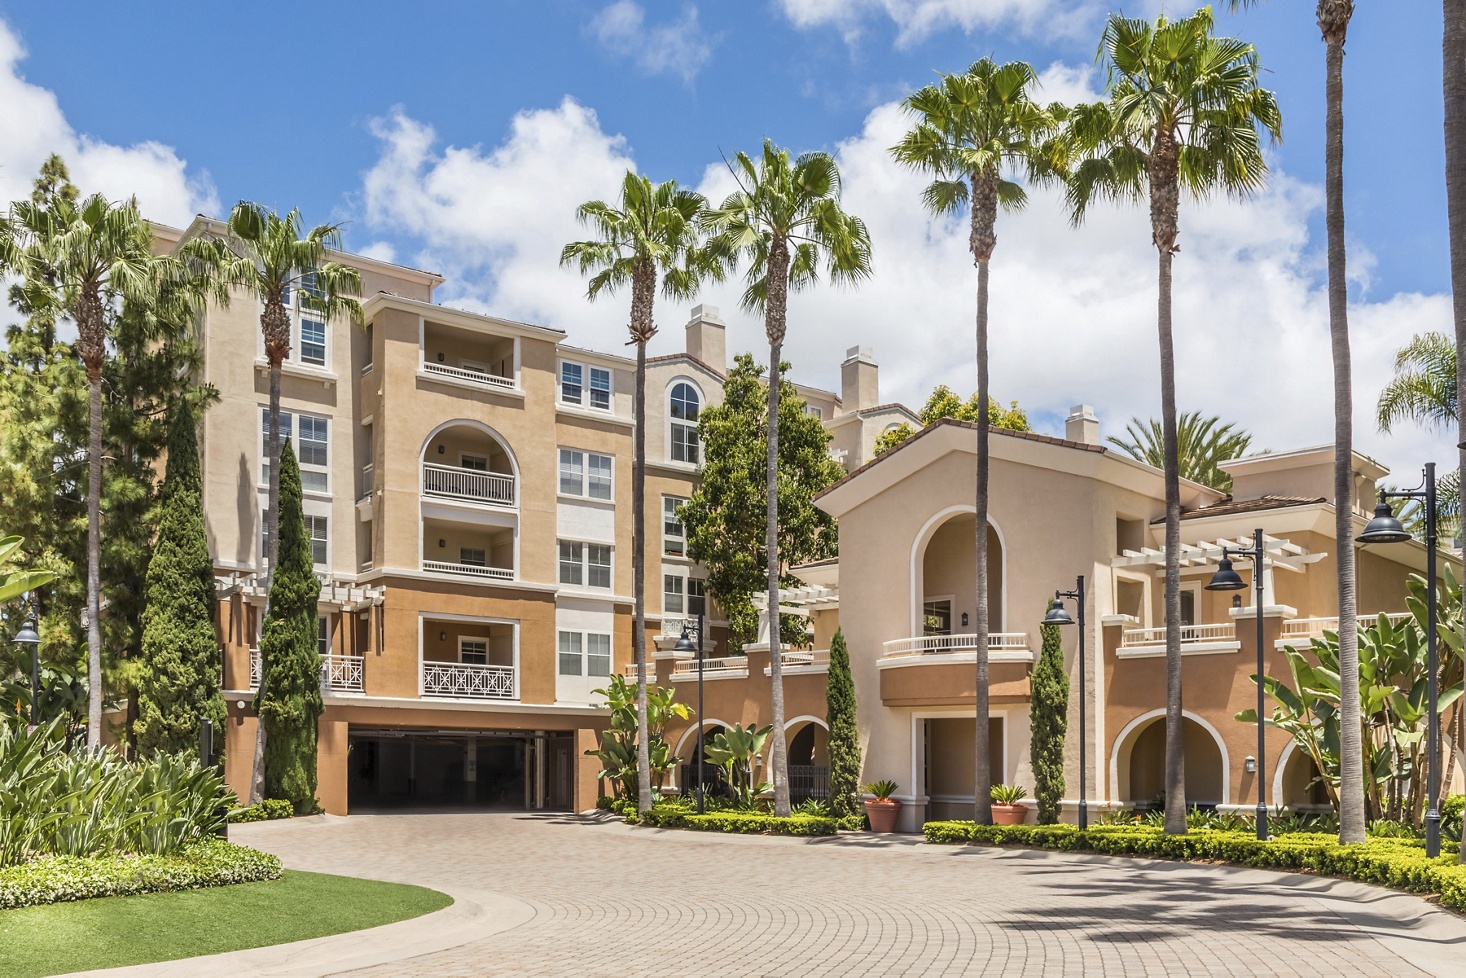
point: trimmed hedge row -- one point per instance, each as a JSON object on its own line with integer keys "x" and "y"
{"x": 744, "y": 823}
{"x": 1398, "y": 863}
{"x": 269, "y": 809}
{"x": 59, "y": 879}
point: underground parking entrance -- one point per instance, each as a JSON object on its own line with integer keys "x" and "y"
{"x": 459, "y": 770}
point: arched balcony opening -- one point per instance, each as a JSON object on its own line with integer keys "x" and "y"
{"x": 1138, "y": 763}
{"x": 466, "y": 462}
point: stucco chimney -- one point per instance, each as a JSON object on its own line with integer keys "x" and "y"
{"x": 859, "y": 385}
{"x": 707, "y": 337}
{"x": 1082, "y": 425}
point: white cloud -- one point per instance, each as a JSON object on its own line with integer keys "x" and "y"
{"x": 1072, "y": 314}
{"x": 680, "y": 47}
{"x": 379, "y": 250}
{"x": 915, "y": 20}
{"x": 33, "y": 126}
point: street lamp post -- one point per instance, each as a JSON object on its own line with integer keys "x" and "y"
{"x": 1385, "y": 528}
{"x": 29, "y": 636}
{"x": 1059, "y": 616}
{"x": 1227, "y": 579}
{"x": 685, "y": 644}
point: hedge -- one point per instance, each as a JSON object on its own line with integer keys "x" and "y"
{"x": 1398, "y": 863}
{"x": 269, "y": 809}
{"x": 58, "y": 879}
{"x": 744, "y": 823}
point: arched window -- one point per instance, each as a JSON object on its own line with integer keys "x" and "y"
{"x": 685, "y": 405}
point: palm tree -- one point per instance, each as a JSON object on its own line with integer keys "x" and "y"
{"x": 970, "y": 128}
{"x": 785, "y": 219}
{"x": 652, "y": 230}
{"x": 1424, "y": 386}
{"x": 80, "y": 258}
{"x": 266, "y": 255}
{"x": 1333, "y": 22}
{"x": 1201, "y": 443}
{"x": 1183, "y": 112}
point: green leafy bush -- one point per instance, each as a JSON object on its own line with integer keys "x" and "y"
{"x": 682, "y": 816}
{"x": 270, "y": 808}
{"x": 205, "y": 862}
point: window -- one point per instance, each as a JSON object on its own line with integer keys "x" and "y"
{"x": 571, "y": 386}
{"x": 585, "y": 474}
{"x": 684, "y": 411}
{"x": 475, "y": 462}
{"x": 472, "y": 557}
{"x": 307, "y": 326}
{"x": 312, "y": 342}
{"x": 587, "y": 564}
{"x": 697, "y": 600}
{"x": 473, "y": 651}
{"x": 936, "y": 617}
{"x": 315, "y": 529}
{"x": 571, "y": 571}
{"x": 814, "y": 412}
{"x": 584, "y": 654}
{"x": 674, "y": 541}
{"x": 311, "y": 439}
{"x": 673, "y": 594}
{"x": 600, "y": 388}
{"x": 323, "y": 635}
{"x": 1188, "y": 606}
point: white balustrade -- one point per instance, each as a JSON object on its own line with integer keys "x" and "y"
{"x": 1190, "y": 635}
{"x": 465, "y": 680}
{"x": 480, "y": 377}
{"x": 366, "y": 481}
{"x": 1315, "y": 627}
{"x": 805, "y": 658}
{"x": 452, "y": 482}
{"x": 948, "y": 644}
{"x": 727, "y": 667}
{"x": 470, "y": 570}
{"x": 339, "y": 673}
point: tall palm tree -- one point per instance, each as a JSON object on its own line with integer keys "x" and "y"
{"x": 652, "y": 230}
{"x": 1201, "y": 444}
{"x": 266, "y": 255}
{"x": 1183, "y": 112}
{"x": 970, "y": 128}
{"x": 81, "y": 258}
{"x": 785, "y": 220}
{"x": 1333, "y": 22}
{"x": 1453, "y": 84}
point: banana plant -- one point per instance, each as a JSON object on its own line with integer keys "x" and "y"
{"x": 734, "y": 751}
{"x": 617, "y": 752}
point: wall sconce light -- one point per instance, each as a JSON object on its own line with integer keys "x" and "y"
{"x": 442, "y": 542}
{"x": 964, "y": 619}
{"x": 442, "y": 636}
{"x": 442, "y": 449}
{"x": 440, "y": 358}
{"x": 1250, "y": 765}
{"x": 1236, "y": 600}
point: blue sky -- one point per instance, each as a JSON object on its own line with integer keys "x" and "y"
{"x": 406, "y": 122}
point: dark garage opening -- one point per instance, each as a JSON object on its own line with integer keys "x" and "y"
{"x": 481, "y": 770}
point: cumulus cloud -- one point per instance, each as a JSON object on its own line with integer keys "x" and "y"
{"x": 915, "y": 20}
{"x": 1072, "y": 310}
{"x": 678, "y": 47}
{"x": 33, "y": 126}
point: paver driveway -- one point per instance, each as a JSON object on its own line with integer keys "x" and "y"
{"x": 600, "y": 898}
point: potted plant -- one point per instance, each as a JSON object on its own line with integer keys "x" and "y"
{"x": 1008, "y": 807}
{"x": 880, "y": 807}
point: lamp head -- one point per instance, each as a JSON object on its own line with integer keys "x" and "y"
{"x": 1225, "y": 579}
{"x": 1384, "y": 527}
{"x": 28, "y": 634}
{"x": 684, "y": 641}
{"x": 1058, "y": 614}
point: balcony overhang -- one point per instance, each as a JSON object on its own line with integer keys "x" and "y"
{"x": 464, "y": 511}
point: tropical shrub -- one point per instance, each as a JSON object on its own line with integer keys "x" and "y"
{"x": 1008, "y": 794}
{"x": 682, "y": 816}
{"x": 734, "y": 751}
{"x": 881, "y": 789}
{"x": 617, "y": 752}
{"x": 267, "y": 810}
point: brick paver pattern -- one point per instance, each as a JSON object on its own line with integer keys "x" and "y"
{"x": 616, "y": 901}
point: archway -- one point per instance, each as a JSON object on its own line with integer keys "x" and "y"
{"x": 687, "y": 750}
{"x": 943, "y": 572}
{"x": 1297, "y": 783}
{"x": 808, "y": 741}
{"x": 1138, "y": 761}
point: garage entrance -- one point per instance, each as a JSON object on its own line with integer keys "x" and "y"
{"x": 475, "y": 770}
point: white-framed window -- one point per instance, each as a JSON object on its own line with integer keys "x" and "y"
{"x": 473, "y": 651}
{"x": 584, "y": 385}
{"x": 674, "y": 540}
{"x": 814, "y": 412}
{"x": 317, "y": 529}
{"x": 586, "y": 474}
{"x": 584, "y": 654}
{"x": 475, "y": 462}
{"x": 697, "y": 596}
{"x": 309, "y": 331}
{"x": 323, "y": 635}
{"x": 585, "y": 564}
{"x": 683, "y": 594}
{"x": 1190, "y": 604}
{"x": 311, "y": 439}
{"x": 684, "y": 408}
{"x": 936, "y": 616}
{"x": 473, "y": 557}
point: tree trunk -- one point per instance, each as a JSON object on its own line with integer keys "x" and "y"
{"x": 1164, "y": 210}
{"x": 643, "y": 294}
{"x": 774, "y": 325}
{"x": 272, "y": 536}
{"x": 982, "y": 240}
{"x": 1333, "y": 19}
{"x": 94, "y": 557}
{"x": 1453, "y": 77}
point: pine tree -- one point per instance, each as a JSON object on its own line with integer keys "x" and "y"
{"x": 1048, "y": 720}
{"x": 179, "y": 681}
{"x": 290, "y": 702}
{"x": 844, "y": 734}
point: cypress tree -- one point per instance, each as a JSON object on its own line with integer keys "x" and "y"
{"x": 844, "y": 736}
{"x": 179, "y": 683}
{"x": 1048, "y": 720}
{"x": 290, "y": 700}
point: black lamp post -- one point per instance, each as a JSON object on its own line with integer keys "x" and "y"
{"x": 1227, "y": 579}
{"x": 1059, "y": 616}
{"x": 29, "y": 636}
{"x": 1385, "y": 528}
{"x": 685, "y": 644}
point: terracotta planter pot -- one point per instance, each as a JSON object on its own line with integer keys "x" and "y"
{"x": 1009, "y": 814}
{"x": 883, "y": 813}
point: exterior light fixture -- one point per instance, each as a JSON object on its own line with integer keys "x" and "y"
{"x": 685, "y": 644}
{"x": 1384, "y": 527}
{"x": 1059, "y": 615}
{"x": 1227, "y": 579}
{"x": 1250, "y": 764}
{"x": 964, "y": 619}
{"x": 442, "y": 449}
{"x": 28, "y": 636}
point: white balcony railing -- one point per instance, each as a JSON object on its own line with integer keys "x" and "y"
{"x": 727, "y": 667}
{"x": 948, "y": 644}
{"x": 480, "y": 377}
{"x": 469, "y": 570}
{"x": 339, "y": 673}
{"x": 366, "y": 481}
{"x": 451, "y": 482}
{"x": 1190, "y": 635}
{"x": 1301, "y": 628}
{"x": 463, "y": 680}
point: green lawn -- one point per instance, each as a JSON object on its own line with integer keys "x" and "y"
{"x": 61, "y": 937}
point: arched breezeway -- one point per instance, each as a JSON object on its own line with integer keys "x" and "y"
{"x": 1138, "y": 761}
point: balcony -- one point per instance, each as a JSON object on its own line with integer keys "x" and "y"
{"x": 464, "y": 680}
{"x": 469, "y": 570}
{"x": 1002, "y": 647}
{"x": 727, "y": 667}
{"x": 796, "y": 662}
{"x": 339, "y": 673}
{"x": 938, "y": 670}
{"x": 1302, "y": 629}
{"x": 1139, "y": 643}
{"x": 467, "y": 550}
{"x": 469, "y": 485}
{"x": 469, "y": 375}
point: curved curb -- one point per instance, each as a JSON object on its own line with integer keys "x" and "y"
{"x": 473, "y": 915}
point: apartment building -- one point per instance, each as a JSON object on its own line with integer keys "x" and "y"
{"x": 467, "y": 484}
